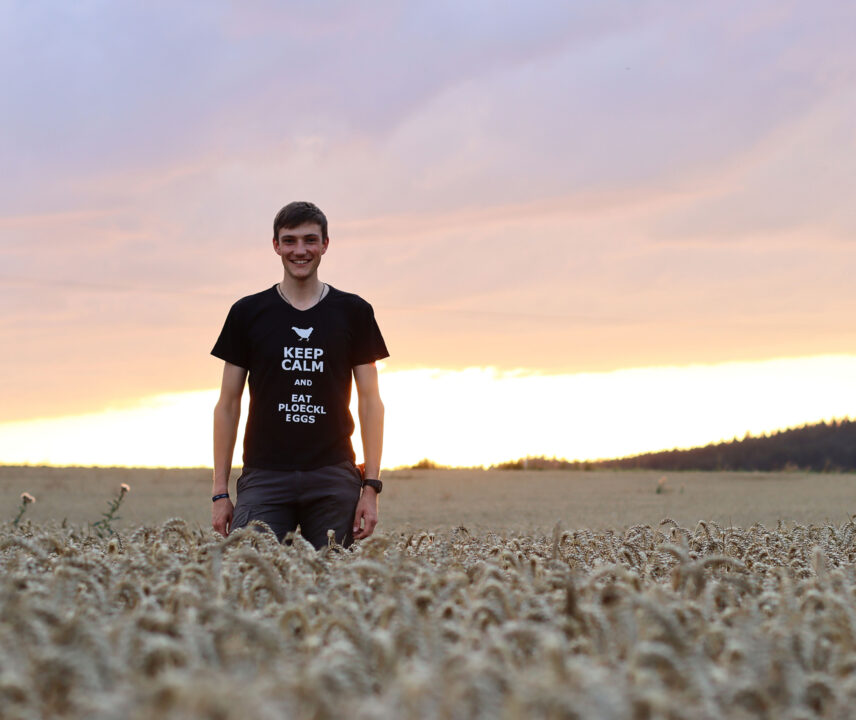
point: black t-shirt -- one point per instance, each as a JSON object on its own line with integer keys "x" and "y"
{"x": 299, "y": 364}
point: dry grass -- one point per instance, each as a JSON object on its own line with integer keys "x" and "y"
{"x": 441, "y": 500}
{"x": 653, "y": 622}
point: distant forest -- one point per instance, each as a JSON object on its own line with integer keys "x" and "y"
{"x": 823, "y": 447}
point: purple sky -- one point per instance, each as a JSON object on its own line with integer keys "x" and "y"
{"x": 553, "y": 186}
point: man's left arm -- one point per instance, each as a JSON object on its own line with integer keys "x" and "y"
{"x": 370, "y": 409}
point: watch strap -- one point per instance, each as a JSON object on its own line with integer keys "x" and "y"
{"x": 377, "y": 485}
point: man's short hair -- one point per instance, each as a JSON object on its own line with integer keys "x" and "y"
{"x": 297, "y": 213}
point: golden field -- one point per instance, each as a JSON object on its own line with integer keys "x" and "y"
{"x": 476, "y": 499}
{"x": 510, "y": 595}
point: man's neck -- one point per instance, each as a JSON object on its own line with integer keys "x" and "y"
{"x": 302, "y": 294}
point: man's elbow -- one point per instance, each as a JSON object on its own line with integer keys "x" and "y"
{"x": 372, "y": 405}
{"x": 227, "y": 408}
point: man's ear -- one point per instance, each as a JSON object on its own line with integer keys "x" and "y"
{"x": 275, "y": 245}
{"x": 324, "y": 244}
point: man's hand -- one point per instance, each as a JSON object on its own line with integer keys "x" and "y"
{"x": 365, "y": 519}
{"x": 221, "y": 515}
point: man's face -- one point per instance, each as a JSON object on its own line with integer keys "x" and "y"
{"x": 301, "y": 249}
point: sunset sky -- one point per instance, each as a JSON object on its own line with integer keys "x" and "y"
{"x": 587, "y": 229}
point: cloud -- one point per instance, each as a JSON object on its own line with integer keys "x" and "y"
{"x": 88, "y": 96}
{"x": 566, "y": 187}
{"x": 793, "y": 183}
{"x": 449, "y": 106}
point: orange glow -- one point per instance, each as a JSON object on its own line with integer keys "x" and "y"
{"x": 480, "y": 416}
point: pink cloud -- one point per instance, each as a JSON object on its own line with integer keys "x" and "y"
{"x": 563, "y": 188}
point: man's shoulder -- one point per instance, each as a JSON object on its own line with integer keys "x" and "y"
{"x": 348, "y": 298}
{"x": 255, "y": 300}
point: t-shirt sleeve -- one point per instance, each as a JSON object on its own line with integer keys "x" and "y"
{"x": 368, "y": 345}
{"x": 232, "y": 345}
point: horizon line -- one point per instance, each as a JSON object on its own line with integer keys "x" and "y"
{"x": 442, "y": 466}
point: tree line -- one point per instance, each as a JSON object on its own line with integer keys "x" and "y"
{"x": 820, "y": 447}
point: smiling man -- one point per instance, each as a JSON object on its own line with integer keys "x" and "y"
{"x": 298, "y": 344}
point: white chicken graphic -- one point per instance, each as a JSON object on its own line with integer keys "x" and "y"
{"x": 303, "y": 333}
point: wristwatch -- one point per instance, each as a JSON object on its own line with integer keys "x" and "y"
{"x": 376, "y": 484}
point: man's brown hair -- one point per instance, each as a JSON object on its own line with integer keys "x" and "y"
{"x": 299, "y": 212}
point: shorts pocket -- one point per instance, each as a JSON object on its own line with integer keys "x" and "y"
{"x": 244, "y": 478}
{"x": 353, "y": 472}
{"x": 241, "y": 516}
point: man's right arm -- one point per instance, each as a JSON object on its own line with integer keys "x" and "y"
{"x": 227, "y": 412}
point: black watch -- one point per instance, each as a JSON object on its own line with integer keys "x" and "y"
{"x": 376, "y": 484}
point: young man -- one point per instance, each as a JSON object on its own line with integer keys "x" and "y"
{"x": 299, "y": 341}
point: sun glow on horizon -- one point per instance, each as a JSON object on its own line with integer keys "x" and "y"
{"x": 481, "y": 416}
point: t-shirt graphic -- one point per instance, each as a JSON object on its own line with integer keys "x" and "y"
{"x": 300, "y": 367}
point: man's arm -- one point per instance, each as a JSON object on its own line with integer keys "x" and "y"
{"x": 227, "y": 412}
{"x": 370, "y": 409}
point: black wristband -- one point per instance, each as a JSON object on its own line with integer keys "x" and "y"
{"x": 219, "y": 497}
{"x": 377, "y": 485}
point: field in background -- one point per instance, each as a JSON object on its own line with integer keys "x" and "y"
{"x": 526, "y": 501}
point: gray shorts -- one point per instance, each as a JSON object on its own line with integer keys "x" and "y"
{"x": 316, "y": 500}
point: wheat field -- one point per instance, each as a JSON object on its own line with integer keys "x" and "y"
{"x": 651, "y": 620}
{"x": 437, "y": 500}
